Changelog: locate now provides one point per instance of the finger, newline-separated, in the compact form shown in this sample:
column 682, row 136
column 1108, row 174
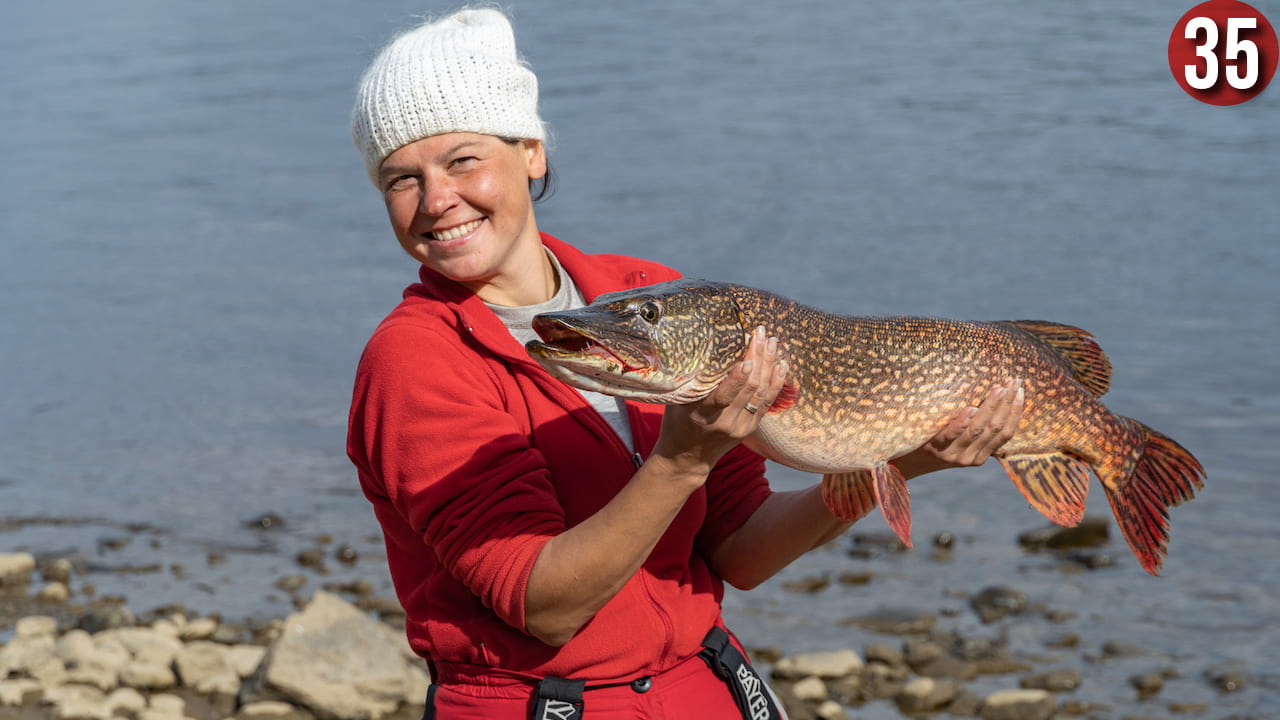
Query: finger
column 1004, row 422
column 729, row 388
column 765, row 392
column 754, row 369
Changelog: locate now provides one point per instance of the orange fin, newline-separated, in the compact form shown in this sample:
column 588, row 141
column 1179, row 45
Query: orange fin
column 849, row 496
column 786, row 398
column 1088, row 364
column 895, row 500
column 1055, row 484
column 1164, row 476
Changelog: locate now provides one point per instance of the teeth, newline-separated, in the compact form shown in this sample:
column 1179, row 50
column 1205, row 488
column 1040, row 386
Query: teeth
column 457, row 232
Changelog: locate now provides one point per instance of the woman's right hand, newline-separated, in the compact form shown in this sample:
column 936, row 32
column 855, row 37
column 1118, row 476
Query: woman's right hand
column 697, row 435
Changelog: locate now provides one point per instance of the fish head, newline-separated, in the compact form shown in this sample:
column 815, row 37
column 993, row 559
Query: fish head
column 668, row 343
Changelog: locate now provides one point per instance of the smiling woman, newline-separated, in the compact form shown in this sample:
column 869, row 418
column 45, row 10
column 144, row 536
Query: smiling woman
column 552, row 548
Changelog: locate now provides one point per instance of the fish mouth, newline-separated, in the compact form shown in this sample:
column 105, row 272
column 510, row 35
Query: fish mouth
column 606, row 360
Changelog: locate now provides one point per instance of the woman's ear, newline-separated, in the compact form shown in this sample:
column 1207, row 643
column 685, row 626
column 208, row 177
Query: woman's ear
column 536, row 157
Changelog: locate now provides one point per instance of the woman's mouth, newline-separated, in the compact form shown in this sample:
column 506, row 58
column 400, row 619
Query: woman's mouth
column 455, row 232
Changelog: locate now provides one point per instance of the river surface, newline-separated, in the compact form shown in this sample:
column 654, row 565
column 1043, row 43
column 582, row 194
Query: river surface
column 193, row 259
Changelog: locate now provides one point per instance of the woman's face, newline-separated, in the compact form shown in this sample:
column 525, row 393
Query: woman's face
column 459, row 203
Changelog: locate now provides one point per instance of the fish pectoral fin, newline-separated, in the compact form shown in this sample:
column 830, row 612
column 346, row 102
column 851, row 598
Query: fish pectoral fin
column 895, row 499
column 851, row 495
column 1056, row 484
column 786, row 398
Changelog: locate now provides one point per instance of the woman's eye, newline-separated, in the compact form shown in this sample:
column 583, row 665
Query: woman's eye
column 462, row 162
column 399, row 183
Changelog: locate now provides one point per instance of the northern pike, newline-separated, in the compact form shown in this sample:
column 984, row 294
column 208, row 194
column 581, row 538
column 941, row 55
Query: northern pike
column 862, row 391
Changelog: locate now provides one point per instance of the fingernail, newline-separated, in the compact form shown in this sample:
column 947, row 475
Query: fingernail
column 746, row 367
column 999, row 393
column 1022, row 394
column 968, row 412
column 773, row 345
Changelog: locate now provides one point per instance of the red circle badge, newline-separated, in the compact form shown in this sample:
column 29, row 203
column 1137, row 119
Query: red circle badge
column 1223, row 52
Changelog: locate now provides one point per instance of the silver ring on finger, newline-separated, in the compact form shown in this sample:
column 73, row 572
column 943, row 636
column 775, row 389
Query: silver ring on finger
column 751, row 409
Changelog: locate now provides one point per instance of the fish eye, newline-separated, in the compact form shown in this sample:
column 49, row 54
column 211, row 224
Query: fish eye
column 649, row 312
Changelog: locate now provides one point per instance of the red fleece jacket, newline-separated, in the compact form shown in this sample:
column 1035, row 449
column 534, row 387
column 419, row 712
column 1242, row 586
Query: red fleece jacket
column 474, row 457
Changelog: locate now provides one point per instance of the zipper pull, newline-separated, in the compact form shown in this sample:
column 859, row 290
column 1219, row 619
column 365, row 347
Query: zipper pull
column 635, row 458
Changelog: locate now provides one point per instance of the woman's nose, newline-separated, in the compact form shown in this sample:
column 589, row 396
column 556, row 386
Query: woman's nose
column 437, row 197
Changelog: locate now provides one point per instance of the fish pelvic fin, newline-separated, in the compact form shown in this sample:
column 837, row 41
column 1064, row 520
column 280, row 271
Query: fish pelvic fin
column 1056, row 484
column 1159, row 474
column 894, row 498
column 1077, row 349
column 849, row 496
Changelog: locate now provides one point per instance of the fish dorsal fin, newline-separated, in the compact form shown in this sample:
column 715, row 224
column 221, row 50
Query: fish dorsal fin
column 1055, row 484
column 1079, row 352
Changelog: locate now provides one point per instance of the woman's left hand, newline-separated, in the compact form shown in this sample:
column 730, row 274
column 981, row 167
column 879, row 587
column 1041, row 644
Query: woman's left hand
column 972, row 435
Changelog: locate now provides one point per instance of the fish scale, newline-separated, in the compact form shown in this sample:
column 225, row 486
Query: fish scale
column 862, row 391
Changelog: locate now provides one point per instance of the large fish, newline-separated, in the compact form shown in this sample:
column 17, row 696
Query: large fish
column 862, row 391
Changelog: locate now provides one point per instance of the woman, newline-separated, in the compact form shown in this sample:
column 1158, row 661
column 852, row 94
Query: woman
column 536, row 533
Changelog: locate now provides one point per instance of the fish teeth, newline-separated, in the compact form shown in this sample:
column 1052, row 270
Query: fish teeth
column 457, row 232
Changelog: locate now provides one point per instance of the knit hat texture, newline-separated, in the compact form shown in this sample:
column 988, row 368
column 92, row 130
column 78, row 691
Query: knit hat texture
column 457, row 74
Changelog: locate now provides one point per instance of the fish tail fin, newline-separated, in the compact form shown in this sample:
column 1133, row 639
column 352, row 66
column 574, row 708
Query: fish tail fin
column 851, row 495
column 1056, row 484
column 1141, row 487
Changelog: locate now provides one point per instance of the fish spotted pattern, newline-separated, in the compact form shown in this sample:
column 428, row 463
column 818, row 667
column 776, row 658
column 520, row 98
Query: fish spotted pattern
column 862, row 391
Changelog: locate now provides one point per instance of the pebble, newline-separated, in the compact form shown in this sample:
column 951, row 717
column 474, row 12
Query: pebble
column 995, row 603
column 1019, row 705
column 925, row 694
column 1064, row 680
column 819, row 664
column 895, row 621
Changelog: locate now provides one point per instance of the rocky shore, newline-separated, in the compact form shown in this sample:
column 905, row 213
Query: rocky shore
column 342, row 655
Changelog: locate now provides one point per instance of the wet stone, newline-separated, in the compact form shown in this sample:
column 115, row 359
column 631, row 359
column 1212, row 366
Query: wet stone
column 1019, row 705
column 925, row 694
column 1093, row 531
column 808, row 585
column 995, row 603
column 1227, row 680
column 266, row 521
column 1057, row 681
column 895, row 621
column 1147, row 684
column 855, row 578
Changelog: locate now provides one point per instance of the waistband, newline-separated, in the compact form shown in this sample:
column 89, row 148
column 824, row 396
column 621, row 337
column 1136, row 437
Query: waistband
column 477, row 676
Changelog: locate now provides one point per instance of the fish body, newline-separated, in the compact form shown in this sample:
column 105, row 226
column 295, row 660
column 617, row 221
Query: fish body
column 862, row 391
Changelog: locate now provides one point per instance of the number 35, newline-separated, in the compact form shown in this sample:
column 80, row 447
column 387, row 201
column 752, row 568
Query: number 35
column 1234, row 50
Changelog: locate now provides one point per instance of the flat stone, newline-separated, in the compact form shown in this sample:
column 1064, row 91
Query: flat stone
column 19, row 691
column 833, row 664
column 204, row 667
column 924, row 694
column 147, row 676
column 830, row 710
column 895, row 621
column 810, row 689
column 1019, row 705
column 35, row 626
column 995, row 603
column 16, row 568
column 1064, row 680
column 272, row 710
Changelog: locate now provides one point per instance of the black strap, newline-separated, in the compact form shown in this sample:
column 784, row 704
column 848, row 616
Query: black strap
column 558, row 699
column 749, row 692
column 429, row 713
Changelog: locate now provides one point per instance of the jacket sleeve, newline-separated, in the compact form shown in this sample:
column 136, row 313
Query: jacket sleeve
column 430, row 434
column 735, row 490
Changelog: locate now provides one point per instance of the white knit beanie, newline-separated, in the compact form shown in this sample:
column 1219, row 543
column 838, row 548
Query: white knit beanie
column 458, row 74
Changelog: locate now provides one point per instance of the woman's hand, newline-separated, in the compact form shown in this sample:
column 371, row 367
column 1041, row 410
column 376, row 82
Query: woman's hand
column 697, row 435
column 972, row 435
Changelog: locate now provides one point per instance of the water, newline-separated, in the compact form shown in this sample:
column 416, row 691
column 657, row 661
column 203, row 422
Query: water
column 193, row 259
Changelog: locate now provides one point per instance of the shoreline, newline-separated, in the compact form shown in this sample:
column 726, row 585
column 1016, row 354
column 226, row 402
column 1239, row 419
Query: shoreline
column 915, row 666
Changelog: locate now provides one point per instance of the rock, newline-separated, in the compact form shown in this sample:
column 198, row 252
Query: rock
column 830, row 710
column 884, row 654
column 1227, row 680
column 126, row 701
column 15, row 568
column 919, row 651
column 334, row 660
column 35, row 626
column 246, row 658
column 949, row 666
column 104, row 618
column 895, row 621
column 199, row 629
column 272, row 710
column 995, row 603
column 147, row 676
column 1092, row 532
column 1119, row 649
column 19, row 691
column 168, row 704
column 1147, row 684
column 77, row 702
column 204, row 667
column 808, row 585
column 1018, row 705
column 820, row 664
column 54, row 592
column 966, row 703
column 810, row 689
column 56, row 570
column 924, row 694
column 99, row 674
column 23, row 654
column 1064, row 680
column 146, row 645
